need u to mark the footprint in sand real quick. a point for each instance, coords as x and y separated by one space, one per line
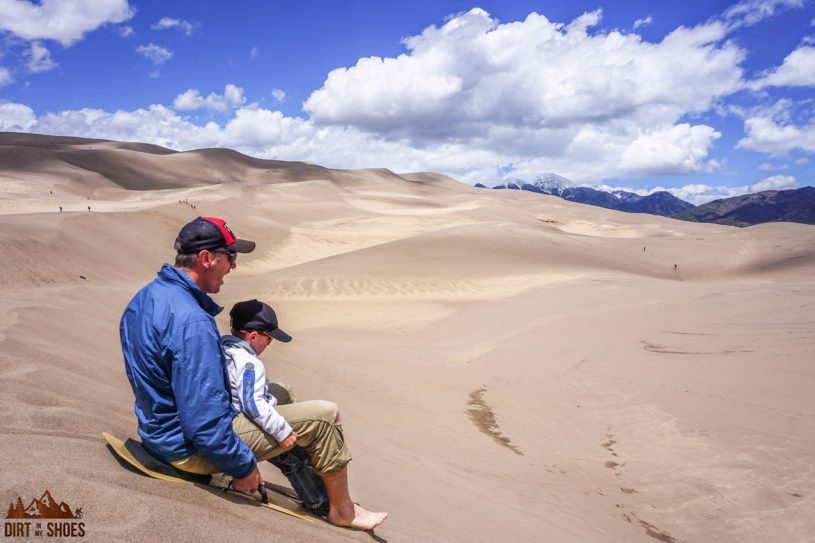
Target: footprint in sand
609 446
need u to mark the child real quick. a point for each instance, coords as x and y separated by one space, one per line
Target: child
320 476
255 396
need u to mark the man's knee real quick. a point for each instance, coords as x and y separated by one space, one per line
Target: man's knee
327 411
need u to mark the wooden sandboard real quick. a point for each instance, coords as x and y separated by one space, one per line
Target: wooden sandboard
133 453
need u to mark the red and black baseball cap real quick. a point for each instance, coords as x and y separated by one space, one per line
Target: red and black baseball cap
209 233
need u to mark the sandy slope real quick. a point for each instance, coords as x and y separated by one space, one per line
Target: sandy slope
510 366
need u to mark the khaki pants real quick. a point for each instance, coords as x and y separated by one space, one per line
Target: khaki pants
319 432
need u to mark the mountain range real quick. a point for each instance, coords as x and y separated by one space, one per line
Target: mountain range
794 205
659 203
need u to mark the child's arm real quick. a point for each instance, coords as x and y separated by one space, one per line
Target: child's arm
258 405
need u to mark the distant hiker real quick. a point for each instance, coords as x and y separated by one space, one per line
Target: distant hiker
315 425
60 209
51 192
674 266
643 248
89 208
176 365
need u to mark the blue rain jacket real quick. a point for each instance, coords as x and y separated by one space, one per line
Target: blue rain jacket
176 365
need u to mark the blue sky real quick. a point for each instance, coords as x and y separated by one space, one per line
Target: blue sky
706 99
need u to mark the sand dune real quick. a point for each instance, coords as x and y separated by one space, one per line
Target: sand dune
509 366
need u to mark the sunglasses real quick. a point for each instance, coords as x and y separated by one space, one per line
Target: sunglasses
231 255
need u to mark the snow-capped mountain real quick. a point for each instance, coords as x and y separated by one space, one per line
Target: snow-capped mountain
624 196
546 183
658 203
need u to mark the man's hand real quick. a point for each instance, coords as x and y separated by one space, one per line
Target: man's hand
289 442
248 484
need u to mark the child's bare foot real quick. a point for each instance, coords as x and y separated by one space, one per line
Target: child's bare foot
361 519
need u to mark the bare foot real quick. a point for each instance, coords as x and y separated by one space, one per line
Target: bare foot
362 519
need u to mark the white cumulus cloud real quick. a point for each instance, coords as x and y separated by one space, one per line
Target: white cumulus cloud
234 95
773 131
65 21
645 21
797 70
682 147
155 53
155 124
16 117
539 91
191 99
125 31
39 58
278 94
533 73
168 22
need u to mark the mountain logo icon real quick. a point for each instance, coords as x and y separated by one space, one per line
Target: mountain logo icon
44 507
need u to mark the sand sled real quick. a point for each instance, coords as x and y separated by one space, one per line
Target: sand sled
132 452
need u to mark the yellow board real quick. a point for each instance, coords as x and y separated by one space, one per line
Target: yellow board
122 452
118 447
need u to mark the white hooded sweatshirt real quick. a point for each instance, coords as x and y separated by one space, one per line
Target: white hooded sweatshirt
248 388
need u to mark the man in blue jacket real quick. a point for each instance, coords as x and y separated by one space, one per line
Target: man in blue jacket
175 361
176 364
